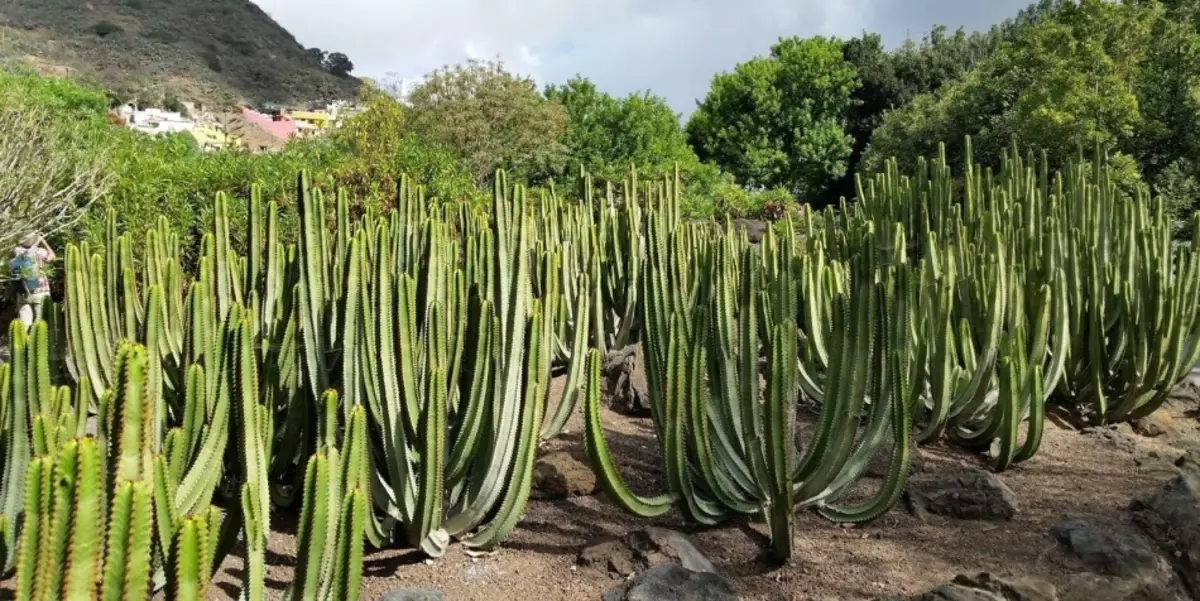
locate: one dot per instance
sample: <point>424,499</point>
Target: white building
<point>155,121</point>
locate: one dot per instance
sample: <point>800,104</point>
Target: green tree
<point>338,64</point>
<point>1168,143</point>
<point>1066,80</point>
<point>607,135</point>
<point>779,120</point>
<point>489,118</point>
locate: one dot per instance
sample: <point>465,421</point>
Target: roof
<point>282,129</point>
<point>309,115</point>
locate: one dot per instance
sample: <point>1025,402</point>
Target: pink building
<point>279,126</point>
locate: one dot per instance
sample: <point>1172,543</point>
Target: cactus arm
<point>601,459</point>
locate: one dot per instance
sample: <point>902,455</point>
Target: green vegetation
<point>368,346</point>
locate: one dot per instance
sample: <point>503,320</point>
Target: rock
<point>1189,462</point>
<point>755,229</point>
<point>1118,436</point>
<point>878,467</point>
<point>1186,394</point>
<point>672,583</point>
<point>1094,587</point>
<point>643,549</point>
<point>560,476</point>
<point>626,383</point>
<point>413,594</point>
<point>987,587</point>
<point>1111,553</point>
<point>965,494</point>
<point>1154,425</point>
<point>1171,517</point>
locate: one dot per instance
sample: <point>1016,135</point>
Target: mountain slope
<point>214,51</point>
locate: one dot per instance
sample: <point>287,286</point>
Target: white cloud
<point>672,47</point>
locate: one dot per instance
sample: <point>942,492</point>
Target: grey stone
<point>878,467</point>
<point>987,587</point>
<point>413,594</point>
<point>672,583</point>
<point>1171,517</point>
<point>1118,436</point>
<point>625,381</point>
<point>1189,462</point>
<point>643,549</point>
<point>560,476</point>
<point>1111,554</point>
<point>1094,587</point>
<point>755,229</point>
<point>965,494</point>
<point>1154,425</point>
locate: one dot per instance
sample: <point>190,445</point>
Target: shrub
<point>106,28</point>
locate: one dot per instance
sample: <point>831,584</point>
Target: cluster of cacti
<point>98,516</point>
<point>712,306</point>
<point>390,373</point>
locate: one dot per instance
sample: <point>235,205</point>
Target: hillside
<point>215,51</point>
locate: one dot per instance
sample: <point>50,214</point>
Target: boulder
<point>1171,517</point>
<point>987,587</point>
<point>878,467</point>
<point>1189,462</point>
<point>625,381</point>
<point>1111,553</point>
<point>643,549</point>
<point>672,583</point>
<point>413,594</point>
<point>560,476</point>
<point>1154,425</point>
<point>1119,436</point>
<point>1094,587</point>
<point>968,494</point>
<point>755,228</point>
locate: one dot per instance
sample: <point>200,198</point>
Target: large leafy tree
<point>1068,79</point>
<point>489,118</point>
<point>1168,143</point>
<point>607,135</point>
<point>779,120</point>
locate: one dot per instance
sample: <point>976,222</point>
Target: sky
<point>670,47</point>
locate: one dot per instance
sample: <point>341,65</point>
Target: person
<point>29,270</point>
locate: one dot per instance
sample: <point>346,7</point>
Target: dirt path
<point>1074,475</point>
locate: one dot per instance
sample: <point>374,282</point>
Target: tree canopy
<point>780,120</point>
<point>489,118</point>
<point>608,135</point>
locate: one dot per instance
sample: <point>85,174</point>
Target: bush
<point>161,35</point>
<point>106,28</point>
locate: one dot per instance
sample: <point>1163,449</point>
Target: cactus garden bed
<point>1076,475</point>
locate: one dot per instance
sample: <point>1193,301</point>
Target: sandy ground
<point>1073,476</point>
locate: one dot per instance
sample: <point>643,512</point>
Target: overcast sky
<point>671,47</point>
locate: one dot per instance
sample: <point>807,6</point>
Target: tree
<point>339,64</point>
<point>1168,143</point>
<point>489,118</point>
<point>1064,81</point>
<point>607,135</point>
<point>779,120</point>
<point>318,55</point>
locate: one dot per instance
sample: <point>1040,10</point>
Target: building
<point>210,138</point>
<point>155,121</point>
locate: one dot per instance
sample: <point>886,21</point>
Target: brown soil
<point>1074,475</point>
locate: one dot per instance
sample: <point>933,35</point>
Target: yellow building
<point>210,138</point>
<point>320,120</point>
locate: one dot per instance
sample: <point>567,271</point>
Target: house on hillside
<point>317,119</point>
<point>211,139</point>
<point>154,121</point>
<point>278,127</point>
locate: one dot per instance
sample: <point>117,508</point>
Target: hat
<point>30,240</point>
